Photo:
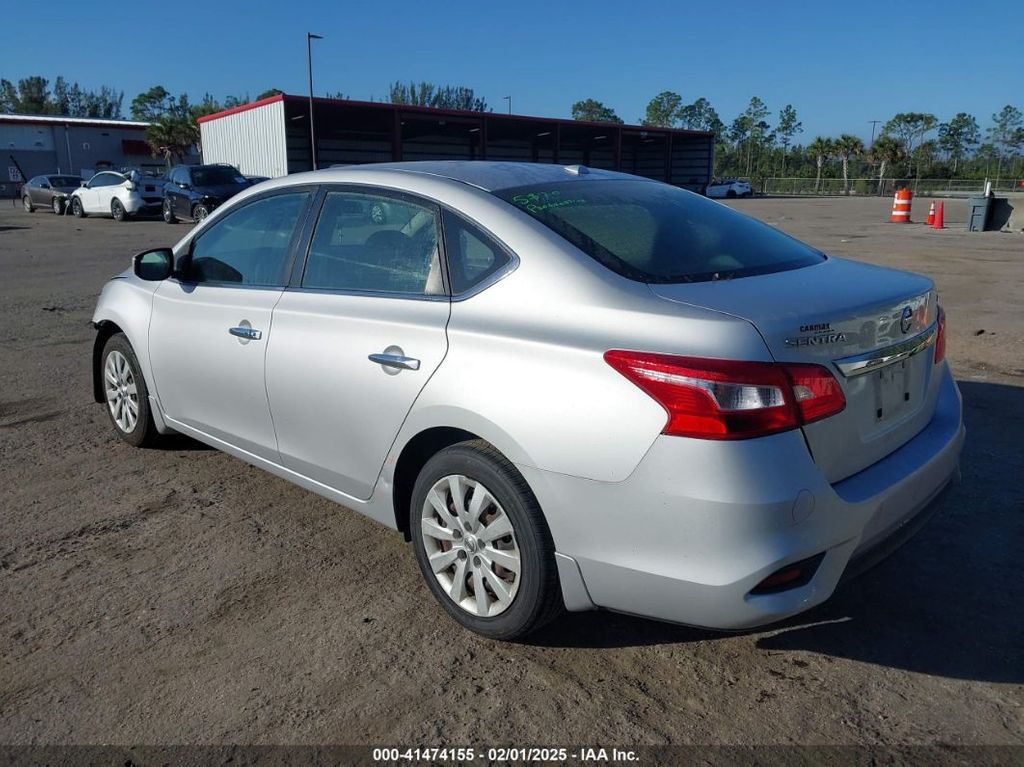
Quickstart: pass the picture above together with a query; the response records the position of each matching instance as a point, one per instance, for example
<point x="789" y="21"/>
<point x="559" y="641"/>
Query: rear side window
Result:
<point x="656" y="233"/>
<point x="106" y="179"/>
<point x="249" y="245"/>
<point x="472" y="255"/>
<point x="375" y="243"/>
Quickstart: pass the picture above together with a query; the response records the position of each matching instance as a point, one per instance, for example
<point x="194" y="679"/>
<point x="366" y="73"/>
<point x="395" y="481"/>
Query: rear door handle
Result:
<point x="395" y="361"/>
<point x="250" y="334"/>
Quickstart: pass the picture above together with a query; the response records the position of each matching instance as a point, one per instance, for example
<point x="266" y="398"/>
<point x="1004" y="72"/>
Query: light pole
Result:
<point x="310" y="37"/>
<point x="509" y="100"/>
<point x="873" y="124"/>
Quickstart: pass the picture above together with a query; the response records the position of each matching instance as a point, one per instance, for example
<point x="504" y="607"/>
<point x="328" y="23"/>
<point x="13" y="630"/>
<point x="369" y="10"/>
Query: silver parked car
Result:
<point x="568" y="388"/>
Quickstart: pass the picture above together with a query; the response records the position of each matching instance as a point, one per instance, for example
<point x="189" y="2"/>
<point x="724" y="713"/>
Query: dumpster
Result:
<point x="977" y="213"/>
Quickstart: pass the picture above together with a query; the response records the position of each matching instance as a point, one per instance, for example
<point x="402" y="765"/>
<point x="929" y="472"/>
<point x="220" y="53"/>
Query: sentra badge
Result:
<point x="821" y="334"/>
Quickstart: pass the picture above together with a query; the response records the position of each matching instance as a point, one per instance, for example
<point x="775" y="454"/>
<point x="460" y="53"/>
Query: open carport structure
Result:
<point x="271" y="137"/>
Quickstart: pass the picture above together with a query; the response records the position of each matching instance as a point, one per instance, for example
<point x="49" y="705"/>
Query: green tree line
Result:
<point x="757" y="145"/>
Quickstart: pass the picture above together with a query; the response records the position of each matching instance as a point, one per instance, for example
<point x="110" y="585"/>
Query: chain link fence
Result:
<point x="884" y="187"/>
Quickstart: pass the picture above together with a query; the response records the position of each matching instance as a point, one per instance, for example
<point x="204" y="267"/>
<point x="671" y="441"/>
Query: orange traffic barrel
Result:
<point x="901" y="206"/>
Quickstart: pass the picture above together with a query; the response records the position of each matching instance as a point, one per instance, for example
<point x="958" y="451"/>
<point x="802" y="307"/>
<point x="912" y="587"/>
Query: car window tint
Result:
<point x="215" y="175"/>
<point x="473" y="256"/>
<point x="656" y="233"/>
<point x="249" y="245"/>
<point x="374" y="243"/>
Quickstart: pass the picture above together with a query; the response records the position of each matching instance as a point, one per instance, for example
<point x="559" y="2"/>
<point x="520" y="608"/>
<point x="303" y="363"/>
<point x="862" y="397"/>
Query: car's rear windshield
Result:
<point x="656" y="233"/>
<point x="65" y="181"/>
<point x="215" y="175"/>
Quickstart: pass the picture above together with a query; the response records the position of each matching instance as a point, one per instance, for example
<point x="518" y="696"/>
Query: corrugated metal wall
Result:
<point x="274" y="139"/>
<point x="253" y="140"/>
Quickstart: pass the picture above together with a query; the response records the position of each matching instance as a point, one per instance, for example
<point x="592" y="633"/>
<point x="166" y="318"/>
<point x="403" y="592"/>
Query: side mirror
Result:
<point x="153" y="265"/>
<point x="44" y="185"/>
<point x="183" y="185"/>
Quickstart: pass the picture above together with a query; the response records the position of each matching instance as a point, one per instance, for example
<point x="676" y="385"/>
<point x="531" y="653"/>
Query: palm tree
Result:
<point x="172" y="137"/>
<point x="821" y="149"/>
<point x="886" y="151"/>
<point x="847" y="146"/>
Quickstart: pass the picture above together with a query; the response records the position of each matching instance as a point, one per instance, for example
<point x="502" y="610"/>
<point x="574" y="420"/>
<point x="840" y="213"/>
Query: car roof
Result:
<point x="484" y="174"/>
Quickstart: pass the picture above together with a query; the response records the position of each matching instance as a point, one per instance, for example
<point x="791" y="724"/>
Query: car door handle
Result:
<point x="395" y="361"/>
<point x="248" y="333"/>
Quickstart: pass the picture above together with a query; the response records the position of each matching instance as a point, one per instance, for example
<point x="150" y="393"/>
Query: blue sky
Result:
<point x="839" y="64"/>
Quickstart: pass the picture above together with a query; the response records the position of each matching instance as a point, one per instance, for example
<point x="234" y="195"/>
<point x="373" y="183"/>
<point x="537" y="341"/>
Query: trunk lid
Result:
<point x="872" y="327"/>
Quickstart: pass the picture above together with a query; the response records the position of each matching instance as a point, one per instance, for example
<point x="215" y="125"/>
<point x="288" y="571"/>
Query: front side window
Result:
<point x="250" y="245"/>
<point x="472" y="255"/>
<point x="64" y="181"/>
<point x="375" y="243"/>
<point x="656" y="233"/>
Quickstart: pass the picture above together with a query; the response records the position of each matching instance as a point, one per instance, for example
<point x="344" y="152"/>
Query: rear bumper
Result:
<point x="699" y="524"/>
<point x="136" y="203"/>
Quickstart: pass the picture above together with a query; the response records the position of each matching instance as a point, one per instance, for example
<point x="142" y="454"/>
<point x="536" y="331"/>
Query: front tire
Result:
<point x="76" y="208"/>
<point x="731" y="194"/>
<point x="168" y="213"/>
<point x="117" y="210"/>
<point x="57" y="205"/>
<point x="126" y="394"/>
<point x="26" y="202"/>
<point x="199" y="213"/>
<point x="482" y="543"/>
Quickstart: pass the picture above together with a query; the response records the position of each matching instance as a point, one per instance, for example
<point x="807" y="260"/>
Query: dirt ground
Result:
<point x="180" y="596"/>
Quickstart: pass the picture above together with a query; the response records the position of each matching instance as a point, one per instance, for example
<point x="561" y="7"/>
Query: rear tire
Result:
<point x="26" y="202"/>
<point x="476" y="545"/>
<point x="117" y="210"/>
<point x="127" y="396"/>
<point x="168" y="213"/>
<point x="76" y="208"/>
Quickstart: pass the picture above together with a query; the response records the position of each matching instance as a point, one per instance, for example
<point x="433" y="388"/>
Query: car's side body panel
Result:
<point x="205" y="377"/>
<point x="324" y="389"/>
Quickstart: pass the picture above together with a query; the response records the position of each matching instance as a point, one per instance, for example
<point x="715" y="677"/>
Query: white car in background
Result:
<point x="730" y="187"/>
<point x="118" y="195"/>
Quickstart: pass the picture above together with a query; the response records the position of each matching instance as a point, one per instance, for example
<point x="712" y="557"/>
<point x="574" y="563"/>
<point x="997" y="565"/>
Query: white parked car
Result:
<point x="730" y="187"/>
<point x="119" y="195"/>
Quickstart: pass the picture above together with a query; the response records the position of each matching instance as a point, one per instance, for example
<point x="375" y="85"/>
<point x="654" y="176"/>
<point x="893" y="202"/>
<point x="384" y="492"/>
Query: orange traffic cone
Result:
<point x="939" y="217"/>
<point x="931" y="214"/>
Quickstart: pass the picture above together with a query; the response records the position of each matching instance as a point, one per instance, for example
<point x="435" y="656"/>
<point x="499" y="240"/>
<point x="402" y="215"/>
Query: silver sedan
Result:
<point x="568" y="388"/>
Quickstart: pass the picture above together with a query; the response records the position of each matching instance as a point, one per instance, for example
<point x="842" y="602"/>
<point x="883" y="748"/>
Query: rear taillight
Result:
<point x="725" y="399"/>
<point x="940" y="338"/>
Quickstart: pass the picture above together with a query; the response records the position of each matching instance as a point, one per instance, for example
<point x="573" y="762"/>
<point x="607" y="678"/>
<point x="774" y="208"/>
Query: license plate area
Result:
<point x="893" y="391"/>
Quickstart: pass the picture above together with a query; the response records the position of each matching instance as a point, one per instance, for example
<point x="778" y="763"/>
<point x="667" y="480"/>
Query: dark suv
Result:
<point x="192" y="191"/>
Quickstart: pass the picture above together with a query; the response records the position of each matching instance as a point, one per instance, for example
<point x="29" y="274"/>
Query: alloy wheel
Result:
<point x="57" y="205"/>
<point x="122" y="392"/>
<point x="471" y="546"/>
